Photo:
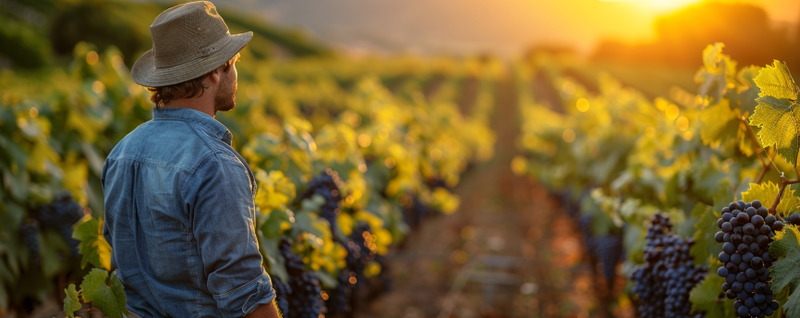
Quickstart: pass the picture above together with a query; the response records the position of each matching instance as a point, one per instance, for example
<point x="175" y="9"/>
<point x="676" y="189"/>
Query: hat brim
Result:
<point x="144" y="71"/>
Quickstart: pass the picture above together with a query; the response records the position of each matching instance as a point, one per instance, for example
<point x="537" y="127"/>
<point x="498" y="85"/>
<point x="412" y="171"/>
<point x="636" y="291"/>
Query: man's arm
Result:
<point x="220" y="203"/>
<point x="266" y="311"/>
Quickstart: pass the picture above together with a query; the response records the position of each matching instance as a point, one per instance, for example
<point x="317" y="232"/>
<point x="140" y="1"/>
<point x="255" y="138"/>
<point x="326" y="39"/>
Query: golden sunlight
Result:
<point x="659" y="5"/>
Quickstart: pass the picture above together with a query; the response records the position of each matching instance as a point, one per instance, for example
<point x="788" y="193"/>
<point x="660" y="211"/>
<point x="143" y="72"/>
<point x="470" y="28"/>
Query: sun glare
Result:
<point x="659" y="5"/>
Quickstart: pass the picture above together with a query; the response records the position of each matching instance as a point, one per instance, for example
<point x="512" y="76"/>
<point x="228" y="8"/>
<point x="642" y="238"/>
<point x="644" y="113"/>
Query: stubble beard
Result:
<point x="225" y="98"/>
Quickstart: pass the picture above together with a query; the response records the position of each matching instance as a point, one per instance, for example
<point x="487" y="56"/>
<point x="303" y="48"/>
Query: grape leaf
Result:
<point x="717" y="73"/>
<point x="784" y="273"/>
<point x="777" y="113"/>
<point x="706" y="226"/>
<point x="106" y="296"/>
<point x="71" y="302"/>
<point x="777" y="81"/>
<point x="767" y="192"/>
<point x="93" y="247"/>
<point x="707" y="296"/>
<point x="720" y="123"/>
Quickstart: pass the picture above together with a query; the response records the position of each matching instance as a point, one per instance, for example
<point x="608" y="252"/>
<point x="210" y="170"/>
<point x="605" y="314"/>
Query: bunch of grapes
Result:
<point x="60" y="215"/>
<point x="337" y="298"/>
<point x="663" y="283"/>
<point x="282" y="293"/>
<point x="414" y="214"/>
<point x="358" y="253"/>
<point x="30" y="237"/>
<point x="608" y="249"/>
<point x="305" y="299"/>
<point x="746" y="231"/>
<point x="325" y="185"/>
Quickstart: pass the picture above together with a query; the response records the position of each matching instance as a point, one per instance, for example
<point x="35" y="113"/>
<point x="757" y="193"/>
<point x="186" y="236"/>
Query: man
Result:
<point x="179" y="207"/>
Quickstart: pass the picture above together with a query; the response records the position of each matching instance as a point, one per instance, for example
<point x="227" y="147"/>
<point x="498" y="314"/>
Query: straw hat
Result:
<point x="189" y="40"/>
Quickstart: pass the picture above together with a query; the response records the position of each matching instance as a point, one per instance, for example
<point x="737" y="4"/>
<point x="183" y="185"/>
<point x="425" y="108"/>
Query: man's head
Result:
<point x="221" y="83"/>
<point x="193" y="54"/>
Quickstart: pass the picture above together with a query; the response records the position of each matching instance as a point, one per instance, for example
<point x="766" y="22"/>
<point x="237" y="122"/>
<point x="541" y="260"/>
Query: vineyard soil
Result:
<point x="510" y="250"/>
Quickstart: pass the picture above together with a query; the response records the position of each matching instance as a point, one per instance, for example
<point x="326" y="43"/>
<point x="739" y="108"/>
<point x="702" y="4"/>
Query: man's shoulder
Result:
<point x="172" y="144"/>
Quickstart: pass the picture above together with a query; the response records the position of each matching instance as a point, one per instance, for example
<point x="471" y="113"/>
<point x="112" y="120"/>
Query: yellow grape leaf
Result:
<point x="712" y="56"/>
<point x="777" y="113"/>
<point x="767" y="192"/>
<point x="720" y="123"/>
<point x="775" y="80"/>
<point x="275" y="190"/>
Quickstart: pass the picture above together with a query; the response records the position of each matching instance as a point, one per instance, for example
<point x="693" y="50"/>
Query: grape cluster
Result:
<point x="664" y="281"/>
<point x="358" y="253"/>
<point x="414" y="214"/>
<point x="60" y="215"/>
<point x="325" y="185"/>
<point x="282" y="292"/>
<point x="305" y="299"/>
<point x="746" y="231"/>
<point x="337" y="303"/>
<point x="30" y="237"/>
<point x="608" y="249"/>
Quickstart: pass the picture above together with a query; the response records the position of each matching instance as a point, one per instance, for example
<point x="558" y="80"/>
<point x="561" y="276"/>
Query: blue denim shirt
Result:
<point x="179" y="214"/>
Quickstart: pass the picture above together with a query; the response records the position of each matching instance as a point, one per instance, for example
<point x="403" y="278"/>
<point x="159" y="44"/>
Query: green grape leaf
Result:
<point x="723" y="197"/>
<point x="707" y="296"/>
<point x="720" y="123"/>
<point x="784" y="273"/>
<point x="106" y="296"/>
<point x="71" y="302"/>
<point x="93" y="245"/>
<point x="777" y="113"/>
<point x="767" y="192"/>
<point x="706" y="228"/>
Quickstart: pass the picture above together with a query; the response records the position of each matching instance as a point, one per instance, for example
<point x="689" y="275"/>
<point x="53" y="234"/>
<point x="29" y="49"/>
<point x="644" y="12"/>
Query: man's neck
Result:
<point x="201" y="103"/>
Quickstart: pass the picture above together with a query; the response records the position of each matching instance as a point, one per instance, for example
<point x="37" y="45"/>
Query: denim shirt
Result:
<point x="179" y="215"/>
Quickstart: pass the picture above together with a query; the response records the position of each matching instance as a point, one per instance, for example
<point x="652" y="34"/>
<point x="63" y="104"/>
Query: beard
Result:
<point x="225" y="98"/>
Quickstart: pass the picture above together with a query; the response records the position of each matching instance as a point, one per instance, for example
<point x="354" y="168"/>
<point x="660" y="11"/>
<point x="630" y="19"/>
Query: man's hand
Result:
<point x="266" y="311"/>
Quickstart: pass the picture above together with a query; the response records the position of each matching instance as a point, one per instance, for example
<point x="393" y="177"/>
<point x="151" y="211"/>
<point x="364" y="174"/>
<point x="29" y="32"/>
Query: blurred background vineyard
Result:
<point x="481" y="151"/>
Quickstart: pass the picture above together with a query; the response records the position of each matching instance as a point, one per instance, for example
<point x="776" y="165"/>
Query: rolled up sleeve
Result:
<point x="220" y="200"/>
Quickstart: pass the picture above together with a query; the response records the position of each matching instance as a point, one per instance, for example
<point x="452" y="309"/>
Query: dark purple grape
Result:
<point x="758" y="221"/>
<point x="720" y="236"/>
<point x="742" y="218"/>
<point x="794" y="218"/>
<point x="726" y="217"/>
<point x="763" y="212"/>
<point x="729" y="248"/>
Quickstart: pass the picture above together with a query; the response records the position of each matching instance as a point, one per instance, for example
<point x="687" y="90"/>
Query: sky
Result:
<point x="504" y="27"/>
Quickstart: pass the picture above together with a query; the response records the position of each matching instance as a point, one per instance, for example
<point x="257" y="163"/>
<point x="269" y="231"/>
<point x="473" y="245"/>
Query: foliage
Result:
<point x="688" y="154"/>
<point x="387" y="150"/>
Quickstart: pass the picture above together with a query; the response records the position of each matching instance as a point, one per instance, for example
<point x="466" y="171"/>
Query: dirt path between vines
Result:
<point x="509" y="251"/>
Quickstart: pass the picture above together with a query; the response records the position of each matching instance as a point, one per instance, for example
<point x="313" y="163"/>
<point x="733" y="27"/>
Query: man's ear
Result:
<point x="215" y="76"/>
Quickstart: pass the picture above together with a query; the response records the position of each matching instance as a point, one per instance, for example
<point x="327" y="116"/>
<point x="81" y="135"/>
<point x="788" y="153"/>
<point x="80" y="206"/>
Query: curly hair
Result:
<point x="161" y="96"/>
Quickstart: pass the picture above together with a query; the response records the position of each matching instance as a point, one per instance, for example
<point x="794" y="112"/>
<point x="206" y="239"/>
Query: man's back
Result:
<point x="179" y="216"/>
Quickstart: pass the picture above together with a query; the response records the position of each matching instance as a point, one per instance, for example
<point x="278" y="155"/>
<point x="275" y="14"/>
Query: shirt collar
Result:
<point x="206" y="122"/>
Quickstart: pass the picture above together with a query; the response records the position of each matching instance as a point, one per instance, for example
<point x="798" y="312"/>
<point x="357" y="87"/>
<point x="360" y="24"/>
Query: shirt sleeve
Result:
<point x="219" y="199"/>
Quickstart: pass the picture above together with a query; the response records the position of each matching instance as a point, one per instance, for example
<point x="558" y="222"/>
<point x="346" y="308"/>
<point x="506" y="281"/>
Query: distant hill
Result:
<point x="36" y="33"/>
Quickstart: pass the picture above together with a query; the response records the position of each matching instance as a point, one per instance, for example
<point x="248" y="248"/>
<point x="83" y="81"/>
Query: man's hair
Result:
<point x="188" y="89"/>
